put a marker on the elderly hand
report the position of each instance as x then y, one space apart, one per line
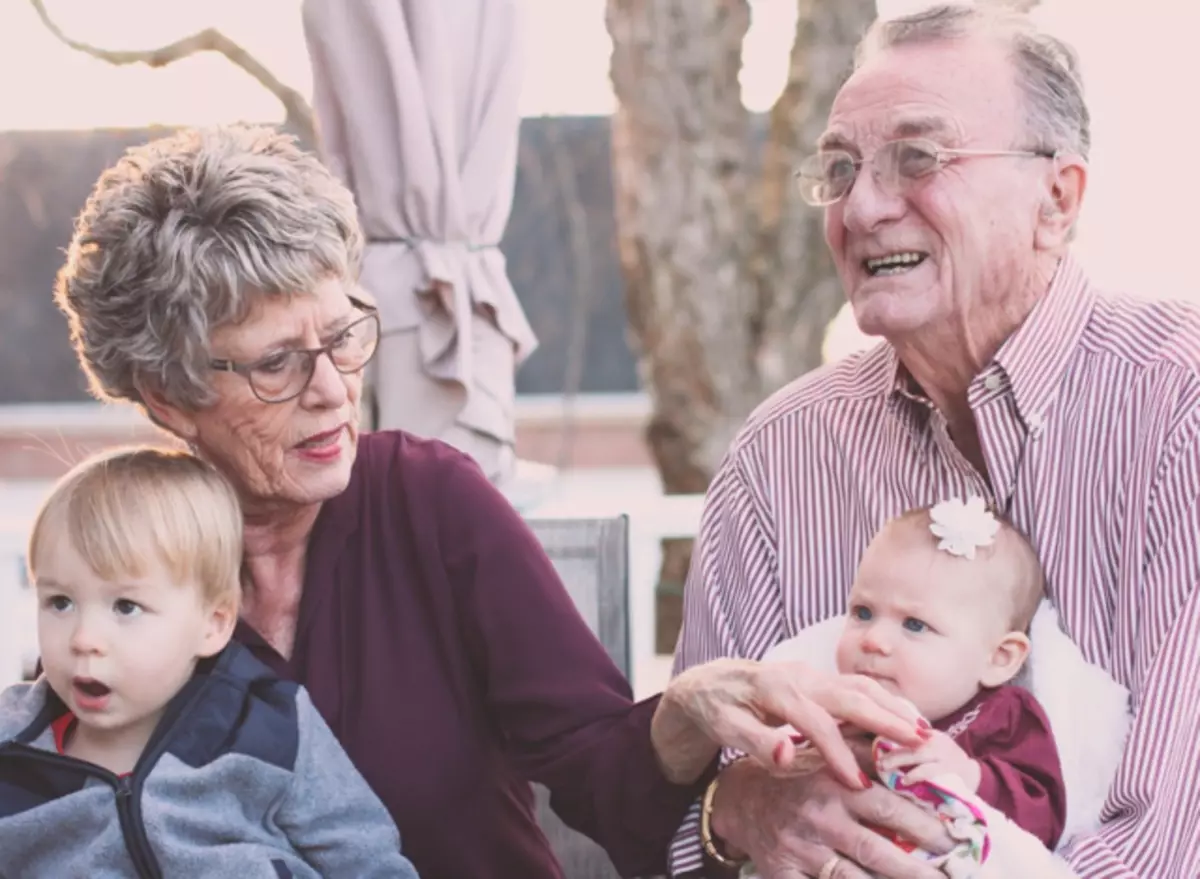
794 826
743 704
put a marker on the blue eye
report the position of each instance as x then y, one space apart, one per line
915 625
126 608
861 613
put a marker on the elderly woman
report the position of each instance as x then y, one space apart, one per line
211 281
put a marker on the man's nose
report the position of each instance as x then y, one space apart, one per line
871 201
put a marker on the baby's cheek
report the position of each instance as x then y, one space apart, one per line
845 654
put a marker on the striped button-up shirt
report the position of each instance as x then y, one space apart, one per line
1089 419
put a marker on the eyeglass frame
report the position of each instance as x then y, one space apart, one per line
245 369
943 156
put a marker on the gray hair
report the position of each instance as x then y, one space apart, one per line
186 234
1047 69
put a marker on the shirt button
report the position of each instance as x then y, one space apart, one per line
992 382
1036 423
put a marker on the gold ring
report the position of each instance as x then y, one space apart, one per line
830 866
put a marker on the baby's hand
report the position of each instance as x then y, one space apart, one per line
939 755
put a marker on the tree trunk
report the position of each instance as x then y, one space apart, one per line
728 285
679 154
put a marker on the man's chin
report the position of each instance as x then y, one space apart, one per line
887 315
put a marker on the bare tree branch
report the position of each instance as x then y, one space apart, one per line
1015 5
299 113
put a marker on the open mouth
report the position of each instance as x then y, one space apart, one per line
91 687
894 263
322 440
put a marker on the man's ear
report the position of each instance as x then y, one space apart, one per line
1007 658
165 413
222 618
1059 213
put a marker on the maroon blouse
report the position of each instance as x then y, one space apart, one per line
1006 731
439 644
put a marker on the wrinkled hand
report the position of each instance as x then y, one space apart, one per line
940 755
791 826
743 704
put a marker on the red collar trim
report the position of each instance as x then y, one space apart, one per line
62 728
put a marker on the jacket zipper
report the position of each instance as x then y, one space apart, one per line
129 811
128 788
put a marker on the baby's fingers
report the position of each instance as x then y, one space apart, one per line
926 772
904 757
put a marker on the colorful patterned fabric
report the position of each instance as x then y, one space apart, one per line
964 820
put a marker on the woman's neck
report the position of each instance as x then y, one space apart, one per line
276 548
278 530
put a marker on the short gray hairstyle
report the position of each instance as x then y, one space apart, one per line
1047 69
187 233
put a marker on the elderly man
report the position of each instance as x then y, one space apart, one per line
951 173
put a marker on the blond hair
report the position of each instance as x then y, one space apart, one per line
120 508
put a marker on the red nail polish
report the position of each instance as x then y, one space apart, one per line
925 734
778 755
922 723
866 782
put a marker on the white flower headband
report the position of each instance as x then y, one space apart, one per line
963 526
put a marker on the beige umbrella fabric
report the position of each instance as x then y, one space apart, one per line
417 111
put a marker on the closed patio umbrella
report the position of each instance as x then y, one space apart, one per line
417 111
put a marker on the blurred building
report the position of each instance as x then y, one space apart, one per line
579 402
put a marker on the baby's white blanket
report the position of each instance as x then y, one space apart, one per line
1088 712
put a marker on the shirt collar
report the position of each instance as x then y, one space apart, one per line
1035 357
1032 360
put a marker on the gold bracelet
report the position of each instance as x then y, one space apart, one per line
706 834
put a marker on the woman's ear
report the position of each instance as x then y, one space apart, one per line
1063 200
164 413
1007 658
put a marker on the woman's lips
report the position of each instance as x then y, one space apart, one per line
317 440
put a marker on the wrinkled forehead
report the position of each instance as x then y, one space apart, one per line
960 92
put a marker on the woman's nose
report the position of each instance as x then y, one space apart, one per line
328 384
